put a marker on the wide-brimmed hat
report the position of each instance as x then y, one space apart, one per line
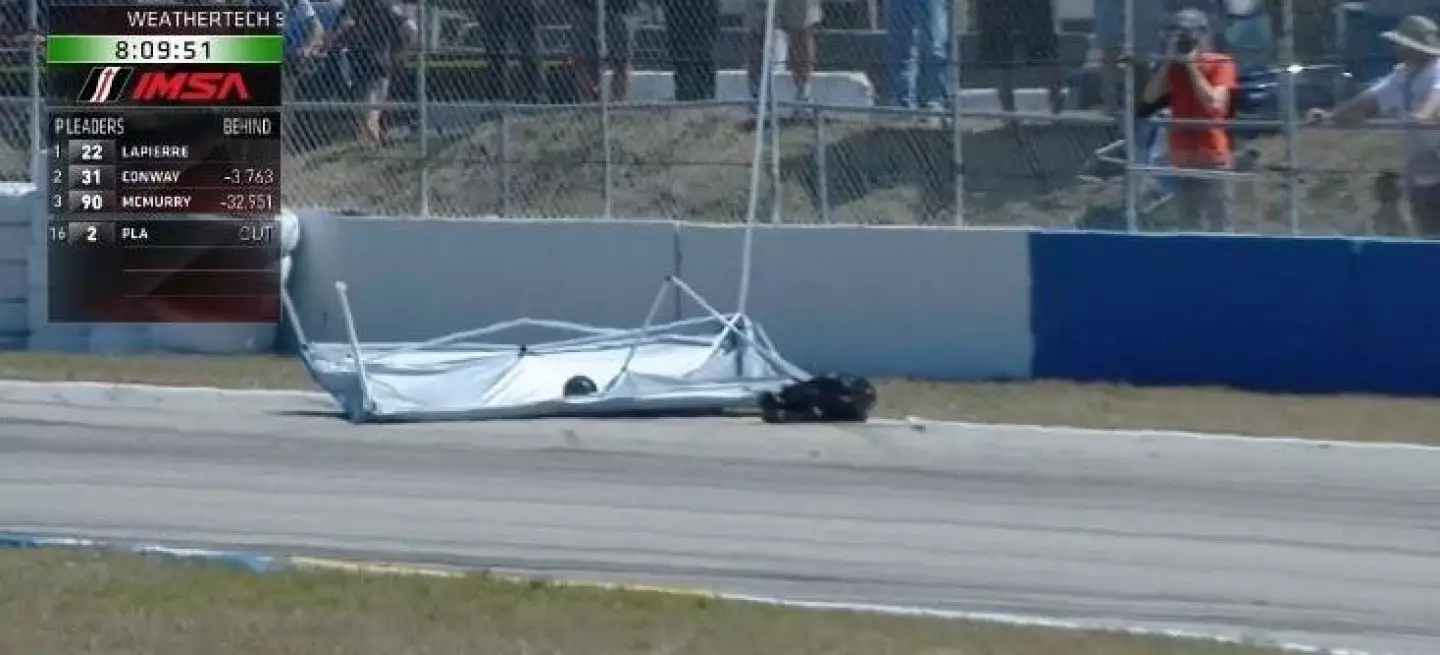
1417 33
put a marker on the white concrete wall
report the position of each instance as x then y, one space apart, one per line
413 280
16 207
878 300
907 301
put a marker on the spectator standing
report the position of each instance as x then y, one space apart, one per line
1149 42
618 37
1410 92
378 34
917 30
798 19
505 24
314 30
691 28
1021 34
1198 84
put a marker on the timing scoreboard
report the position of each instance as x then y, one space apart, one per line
164 130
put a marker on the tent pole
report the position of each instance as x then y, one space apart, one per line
762 103
635 345
295 326
356 414
730 326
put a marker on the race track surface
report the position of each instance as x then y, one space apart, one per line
1333 546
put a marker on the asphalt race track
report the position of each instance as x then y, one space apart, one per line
1328 545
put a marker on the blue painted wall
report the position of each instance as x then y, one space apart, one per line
1264 313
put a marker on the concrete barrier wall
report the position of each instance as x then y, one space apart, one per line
950 304
412 281
1267 313
1282 314
878 300
16 208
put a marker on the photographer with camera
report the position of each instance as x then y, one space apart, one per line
1197 84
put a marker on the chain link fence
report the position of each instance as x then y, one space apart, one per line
644 109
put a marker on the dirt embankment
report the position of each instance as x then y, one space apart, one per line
694 164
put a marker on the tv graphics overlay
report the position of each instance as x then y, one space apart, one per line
164 149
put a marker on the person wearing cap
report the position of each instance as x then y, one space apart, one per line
1197 83
1410 92
1148 42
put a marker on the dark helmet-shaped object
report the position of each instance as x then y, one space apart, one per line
579 386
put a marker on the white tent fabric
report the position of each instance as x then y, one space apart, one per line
704 365
665 369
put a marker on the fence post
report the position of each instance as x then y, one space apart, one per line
1132 207
504 151
776 216
38 170
605 90
1291 116
957 148
822 165
423 96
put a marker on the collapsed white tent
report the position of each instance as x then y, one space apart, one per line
710 364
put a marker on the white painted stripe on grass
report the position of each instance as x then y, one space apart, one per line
894 610
178 390
1017 620
1038 622
1066 430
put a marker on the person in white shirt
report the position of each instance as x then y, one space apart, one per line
1410 93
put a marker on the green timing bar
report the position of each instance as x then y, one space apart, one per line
205 49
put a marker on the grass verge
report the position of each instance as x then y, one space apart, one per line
1346 417
72 602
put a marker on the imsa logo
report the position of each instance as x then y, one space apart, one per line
105 85
112 84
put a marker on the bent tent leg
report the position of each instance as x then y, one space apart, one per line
359 411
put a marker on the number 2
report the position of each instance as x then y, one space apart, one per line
56 176
90 233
